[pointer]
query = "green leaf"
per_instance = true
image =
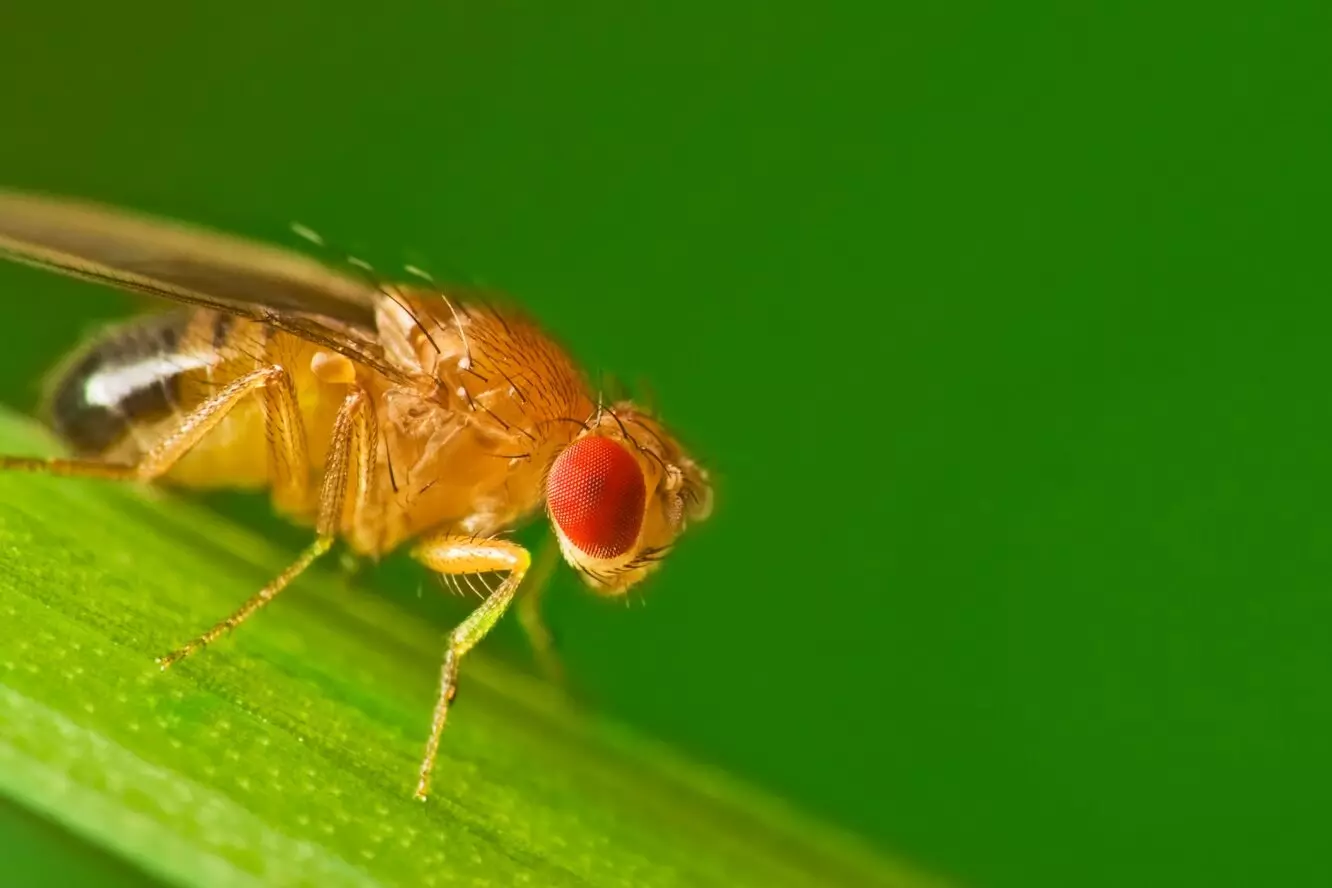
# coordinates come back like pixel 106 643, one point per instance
pixel 286 754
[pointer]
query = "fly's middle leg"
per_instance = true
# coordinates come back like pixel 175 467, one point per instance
pixel 354 432
pixel 529 615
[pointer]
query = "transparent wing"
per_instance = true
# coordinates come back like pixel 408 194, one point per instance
pixel 195 266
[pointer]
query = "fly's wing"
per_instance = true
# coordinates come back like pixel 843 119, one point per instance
pixel 131 252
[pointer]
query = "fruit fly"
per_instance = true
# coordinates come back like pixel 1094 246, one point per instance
pixel 382 415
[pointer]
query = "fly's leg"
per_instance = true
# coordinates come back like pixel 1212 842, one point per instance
pixel 286 434
pixel 528 610
pixel 451 554
pixel 354 430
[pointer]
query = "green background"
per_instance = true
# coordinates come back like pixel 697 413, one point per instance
pixel 1003 327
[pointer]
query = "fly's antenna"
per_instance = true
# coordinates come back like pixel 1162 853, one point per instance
pixel 465 362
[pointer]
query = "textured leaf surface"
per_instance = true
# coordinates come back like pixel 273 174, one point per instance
pixel 286 754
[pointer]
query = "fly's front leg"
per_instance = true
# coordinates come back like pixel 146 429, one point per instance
pixel 449 554
pixel 355 431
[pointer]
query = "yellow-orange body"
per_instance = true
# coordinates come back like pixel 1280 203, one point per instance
pixel 376 414
pixel 463 453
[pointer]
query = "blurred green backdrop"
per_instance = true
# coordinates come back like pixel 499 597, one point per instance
pixel 1003 326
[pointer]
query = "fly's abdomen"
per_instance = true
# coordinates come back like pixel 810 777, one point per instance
pixel 128 389
pixel 121 385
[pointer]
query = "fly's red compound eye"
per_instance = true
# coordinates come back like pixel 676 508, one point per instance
pixel 596 495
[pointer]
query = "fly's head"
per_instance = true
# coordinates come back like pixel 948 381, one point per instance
pixel 620 494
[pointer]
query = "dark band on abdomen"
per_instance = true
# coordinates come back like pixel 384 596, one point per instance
pixel 129 376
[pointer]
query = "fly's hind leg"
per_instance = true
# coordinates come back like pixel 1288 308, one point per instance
pixel 451 554
pixel 288 453
pixel 284 426
pixel 354 431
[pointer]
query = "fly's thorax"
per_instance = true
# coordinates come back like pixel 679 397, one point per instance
pixel 482 359
pixel 494 399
